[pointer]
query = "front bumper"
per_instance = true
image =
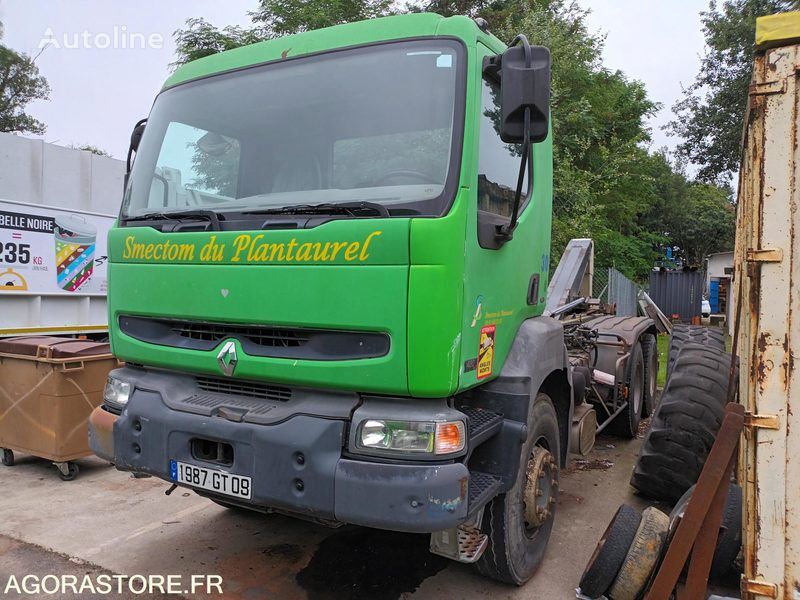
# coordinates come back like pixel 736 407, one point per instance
pixel 302 448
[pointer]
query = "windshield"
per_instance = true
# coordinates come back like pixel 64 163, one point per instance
pixel 371 124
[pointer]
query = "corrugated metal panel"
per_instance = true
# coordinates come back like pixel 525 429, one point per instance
pixel 768 277
pixel 622 292
pixel 678 293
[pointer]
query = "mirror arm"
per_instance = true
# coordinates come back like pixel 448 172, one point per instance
pixel 506 232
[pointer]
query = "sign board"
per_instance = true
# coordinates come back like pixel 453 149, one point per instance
pixel 45 250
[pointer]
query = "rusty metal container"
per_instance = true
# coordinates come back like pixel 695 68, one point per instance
pixel 48 388
pixel 767 284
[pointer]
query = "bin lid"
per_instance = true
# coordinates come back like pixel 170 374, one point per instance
pixel 60 347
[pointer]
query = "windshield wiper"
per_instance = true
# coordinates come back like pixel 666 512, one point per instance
pixel 180 215
pixel 354 209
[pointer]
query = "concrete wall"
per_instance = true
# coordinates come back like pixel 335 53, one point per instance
pixel 35 172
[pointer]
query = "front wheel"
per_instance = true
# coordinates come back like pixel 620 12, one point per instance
pixel 520 521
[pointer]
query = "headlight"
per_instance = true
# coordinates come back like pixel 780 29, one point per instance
pixel 116 392
pixel 412 436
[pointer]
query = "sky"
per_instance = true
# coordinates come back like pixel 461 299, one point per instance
pixel 106 60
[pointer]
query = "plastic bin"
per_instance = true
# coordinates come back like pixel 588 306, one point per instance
pixel 48 388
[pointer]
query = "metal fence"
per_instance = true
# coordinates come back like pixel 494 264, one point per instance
pixel 678 293
pixel 622 292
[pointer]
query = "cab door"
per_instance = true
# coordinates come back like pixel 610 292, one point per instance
pixel 505 279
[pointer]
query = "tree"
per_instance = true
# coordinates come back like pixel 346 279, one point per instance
pixel 273 18
pixel 20 84
pixel 704 225
pixel 709 117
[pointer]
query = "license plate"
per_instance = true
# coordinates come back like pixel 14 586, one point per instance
pixel 210 479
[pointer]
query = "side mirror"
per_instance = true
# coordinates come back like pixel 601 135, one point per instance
pixel 523 72
pixel 133 147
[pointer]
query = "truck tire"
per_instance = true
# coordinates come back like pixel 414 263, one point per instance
pixel 729 542
pixel 610 552
pixel 684 425
pixel 650 354
pixel 692 334
pixel 626 423
pixel 642 556
pixel 516 548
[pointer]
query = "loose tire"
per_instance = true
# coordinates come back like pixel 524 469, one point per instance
pixel 515 550
pixel 650 354
pixel 626 423
pixel 729 542
pixel 610 553
pixel 8 457
pixel 714 337
pixel 685 424
pixel 642 556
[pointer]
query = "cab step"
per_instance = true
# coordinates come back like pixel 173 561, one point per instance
pixel 482 488
pixel 482 424
pixel 464 543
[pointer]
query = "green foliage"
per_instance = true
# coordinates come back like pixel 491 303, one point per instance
pixel 272 18
pixel 201 38
pixel 91 148
pixel 709 117
pixel 20 84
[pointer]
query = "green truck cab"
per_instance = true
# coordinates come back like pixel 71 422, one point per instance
pixel 327 281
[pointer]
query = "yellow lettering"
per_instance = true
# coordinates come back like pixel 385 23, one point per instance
pixel 336 247
pixel 276 249
pixel 128 252
pixel 240 243
pixel 260 254
pixel 292 244
pixel 250 252
pixel 352 251
pixel 364 255
pixel 205 251
pixel 148 251
pixel 321 252
pixel 173 252
pixel 158 250
pixel 186 252
pixel 304 253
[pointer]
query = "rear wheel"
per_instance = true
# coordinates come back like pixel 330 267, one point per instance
pixel 8 457
pixel 650 354
pixel 520 521
pixel 626 423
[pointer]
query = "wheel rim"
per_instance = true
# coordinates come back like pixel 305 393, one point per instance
pixel 653 375
pixel 541 489
pixel 637 389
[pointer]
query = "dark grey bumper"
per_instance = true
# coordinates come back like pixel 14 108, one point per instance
pixel 295 465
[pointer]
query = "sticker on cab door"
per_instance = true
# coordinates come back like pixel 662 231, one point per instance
pixel 486 351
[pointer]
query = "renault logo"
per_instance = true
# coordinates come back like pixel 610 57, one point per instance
pixel 226 359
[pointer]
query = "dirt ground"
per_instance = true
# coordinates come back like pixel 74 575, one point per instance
pixel 107 522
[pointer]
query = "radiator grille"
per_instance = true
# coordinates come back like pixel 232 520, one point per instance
pixel 251 389
pixel 263 336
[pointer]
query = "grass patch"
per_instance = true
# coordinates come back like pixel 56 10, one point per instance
pixel 663 346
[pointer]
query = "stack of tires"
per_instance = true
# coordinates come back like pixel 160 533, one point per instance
pixel 686 422
pixel 630 552
pixel 689 415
